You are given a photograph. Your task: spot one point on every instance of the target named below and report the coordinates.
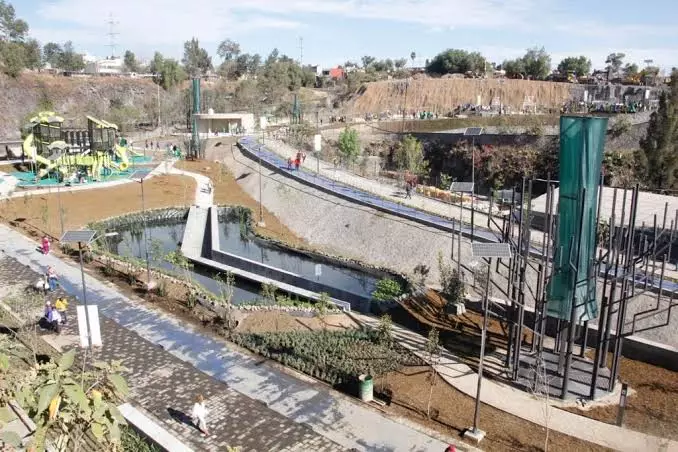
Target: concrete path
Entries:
(8, 184)
(204, 193)
(337, 418)
(522, 404)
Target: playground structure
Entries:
(72, 155)
(582, 271)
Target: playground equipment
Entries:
(94, 152)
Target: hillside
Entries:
(105, 97)
(444, 94)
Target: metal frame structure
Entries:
(631, 261)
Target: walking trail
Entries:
(337, 418)
(522, 404)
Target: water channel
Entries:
(165, 238)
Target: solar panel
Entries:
(473, 131)
(502, 250)
(139, 174)
(461, 187)
(84, 236)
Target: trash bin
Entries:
(366, 388)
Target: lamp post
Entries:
(86, 237)
(487, 251)
(262, 126)
(473, 132)
(461, 188)
(147, 232)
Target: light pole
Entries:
(487, 251)
(149, 282)
(86, 237)
(61, 210)
(262, 126)
(473, 132)
(461, 188)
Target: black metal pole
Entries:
(483, 339)
(148, 262)
(84, 295)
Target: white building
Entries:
(108, 66)
(214, 124)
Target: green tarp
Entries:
(582, 142)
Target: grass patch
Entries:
(336, 357)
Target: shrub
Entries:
(450, 281)
(387, 289)
(333, 356)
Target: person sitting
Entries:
(42, 284)
(54, 320)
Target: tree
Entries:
(196, 61)
(630, 70)
(614, 63)
(13, 57)
(409, 156)
(228, 50)
(514, 68)
(580, 65)
(130, 61)
(166, 72)
(537, 63)
(349, 144)
(456, 61)
(69, 60)
(433, 350)
(11, 28)
(658, 155)
(367, 61)
(51, 52)
(33, 54)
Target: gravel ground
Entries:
(345, 229)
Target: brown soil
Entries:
(227, 191)
(452, 413)
(443, 95)
(40, 214)
(653, 409)
(263, 322)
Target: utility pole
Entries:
(112, 34)
(301, 51)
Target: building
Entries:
(336, 73)
(215, 124)
(108, 66)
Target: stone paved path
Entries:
(166, 387)
(264, 408)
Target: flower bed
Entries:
(336, 357)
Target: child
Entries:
(45, 245)
(52, 278)
(61, 305)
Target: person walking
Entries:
(52, 278)
(45, 245)
(199, 414)
(408, 190)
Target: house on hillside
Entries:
(336, 73)
(108, 66)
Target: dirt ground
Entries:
(452, 413)
(41, 212)
(262, 321)
(227, 191)
(652, 409)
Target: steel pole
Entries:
(61, 210)
(148, 262)
(483, 338)
(84, 295)
(461, 213)
(473, 184)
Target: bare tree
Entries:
(433, 350)
(539, 387)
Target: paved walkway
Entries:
(204, 193)
(260, 407)
(522, 404)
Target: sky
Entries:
(335, 31)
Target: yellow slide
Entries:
(121, 152)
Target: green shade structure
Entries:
(195, 141)
(582, 141)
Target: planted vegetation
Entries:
(336, 357)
